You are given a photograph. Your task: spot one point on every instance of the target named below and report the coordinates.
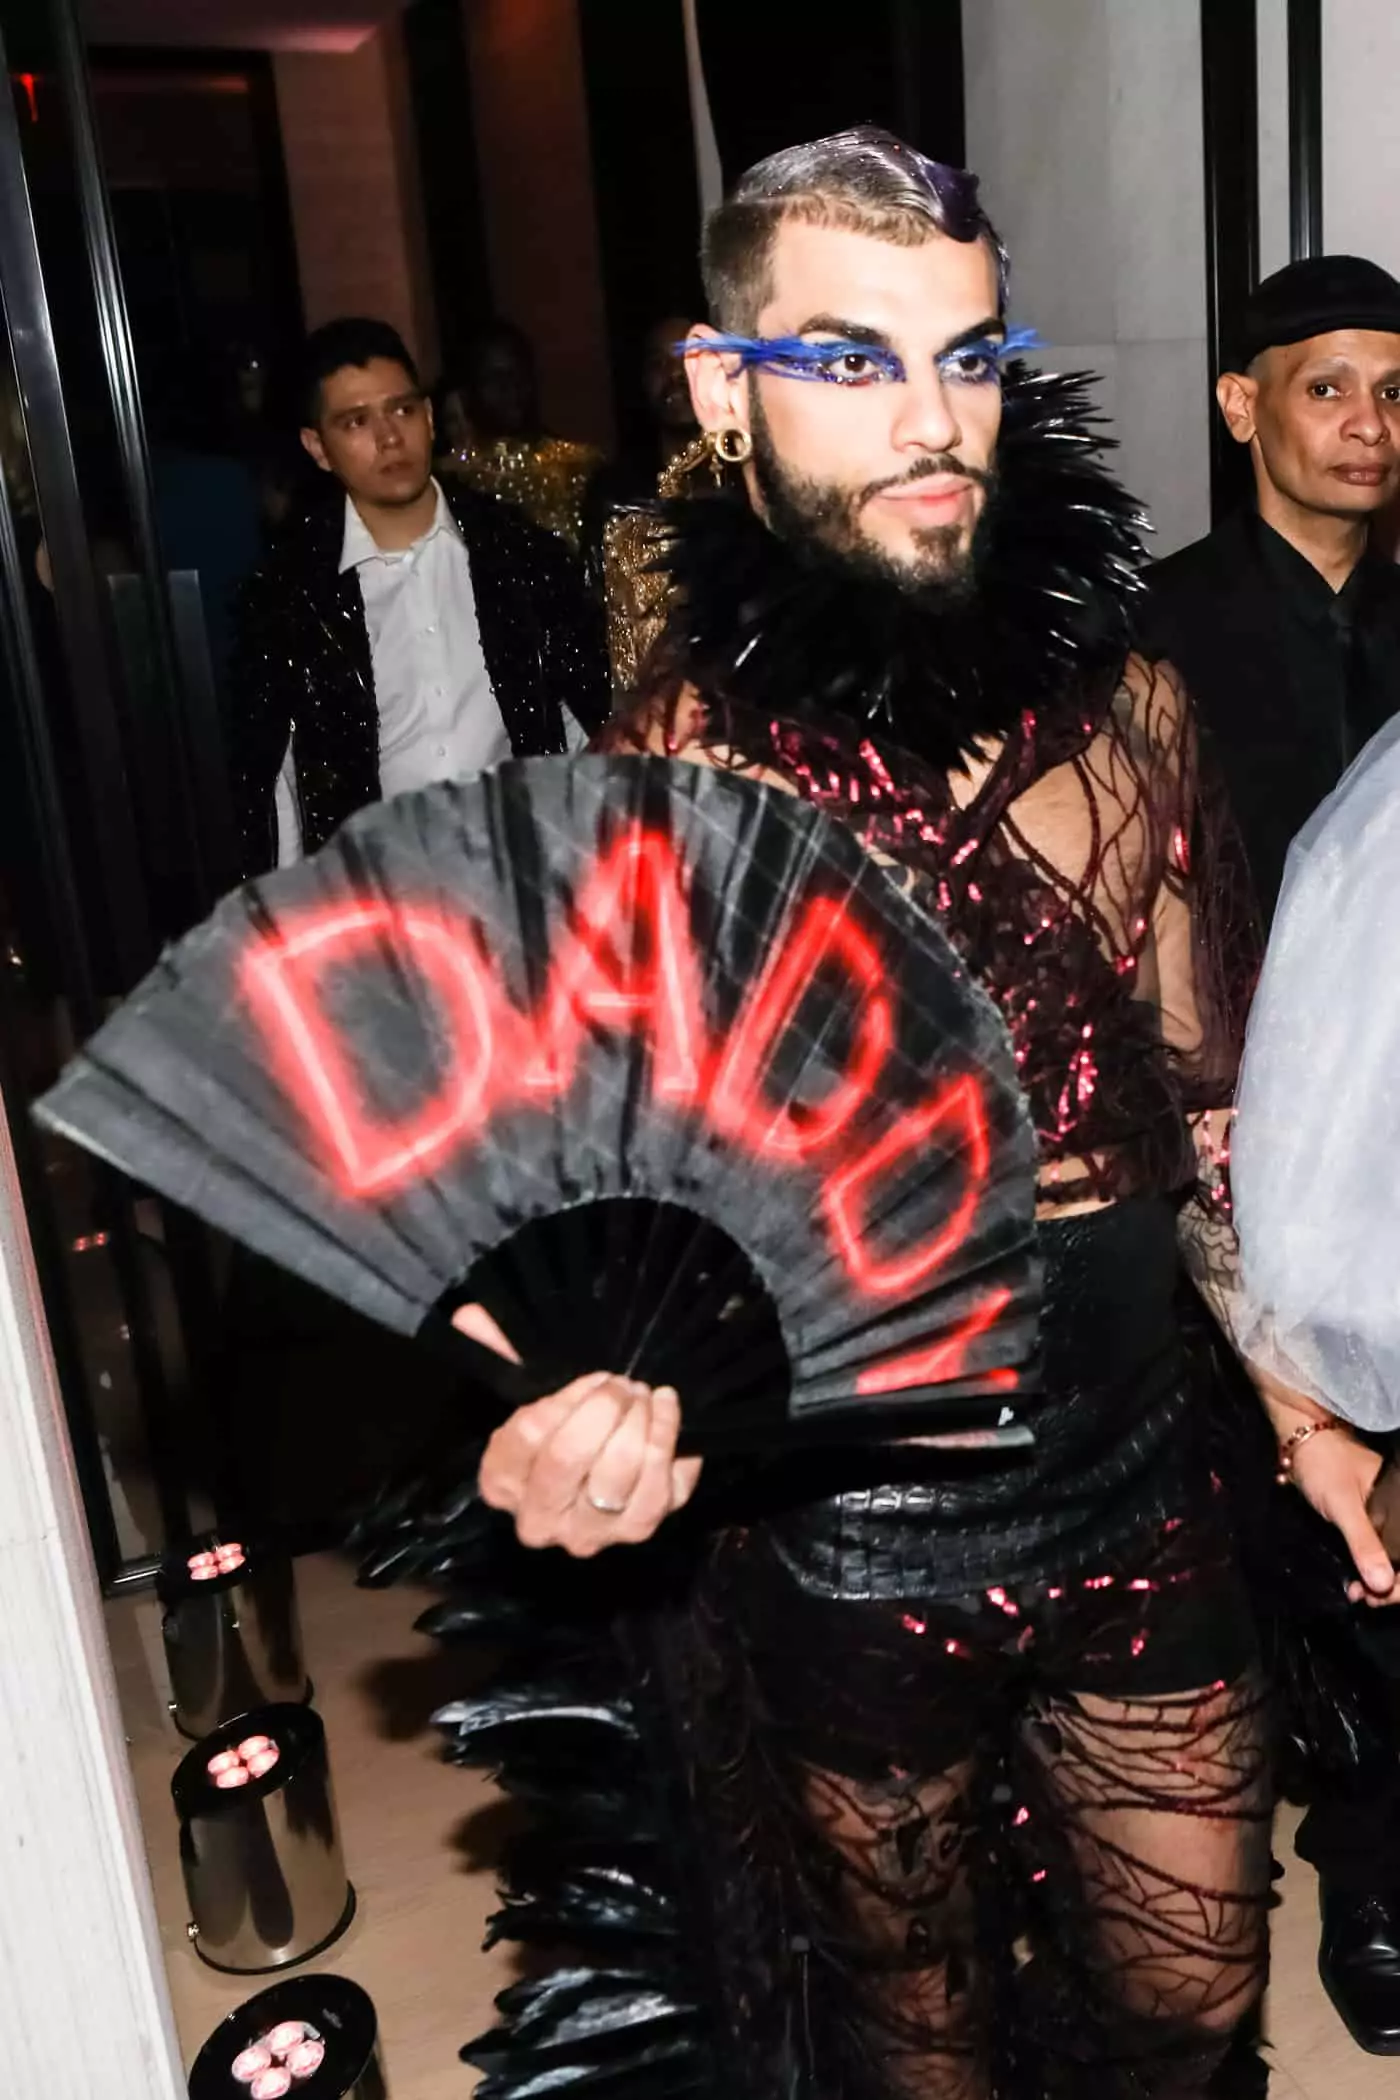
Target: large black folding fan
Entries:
(654, 1061)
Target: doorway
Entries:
(147, 282)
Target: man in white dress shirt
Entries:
(396, 636)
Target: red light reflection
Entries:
(279, 2060)
(251, 1759)
(218, 1560)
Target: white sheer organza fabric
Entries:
(1316, 1171)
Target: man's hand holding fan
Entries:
(650, 1066)
(592, 1466)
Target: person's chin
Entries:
(1360, 498)
(900, 557)
(404, 487)
(909, 550)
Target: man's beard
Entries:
(820, 517)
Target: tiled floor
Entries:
(417, 1837)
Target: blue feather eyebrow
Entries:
(795, 357)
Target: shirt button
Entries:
(431, 628)
(442, 750)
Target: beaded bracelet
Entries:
(1290, 1447)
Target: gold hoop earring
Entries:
(732, 445)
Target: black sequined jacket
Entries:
(301, 665)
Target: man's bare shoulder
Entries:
(1152, 704)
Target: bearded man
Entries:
(926, 1775)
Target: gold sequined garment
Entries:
(544, 477)
(634, 583)
(634, 594)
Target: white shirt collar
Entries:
(358, 546)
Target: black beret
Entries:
(1317, 296)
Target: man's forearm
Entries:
(1210, 1250)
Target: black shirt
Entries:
(1290, 679)
(1326, 650)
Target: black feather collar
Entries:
(783, 631)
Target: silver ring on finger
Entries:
(604, 1506)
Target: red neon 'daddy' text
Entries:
(825, 935)
(636, 883)
(628, 962)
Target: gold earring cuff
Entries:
(733, 445)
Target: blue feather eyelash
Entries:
(793, 357)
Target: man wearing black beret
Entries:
(1285, 627)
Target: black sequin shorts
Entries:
(1165, 1615)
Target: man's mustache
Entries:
(946, 463)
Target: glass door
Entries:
(116, 833)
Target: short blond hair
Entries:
(865, 180)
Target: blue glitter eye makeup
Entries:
(838, 362)
(841, 363)
(980, 363)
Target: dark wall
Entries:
(775, 76)
(645, 184)
(439, 85)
